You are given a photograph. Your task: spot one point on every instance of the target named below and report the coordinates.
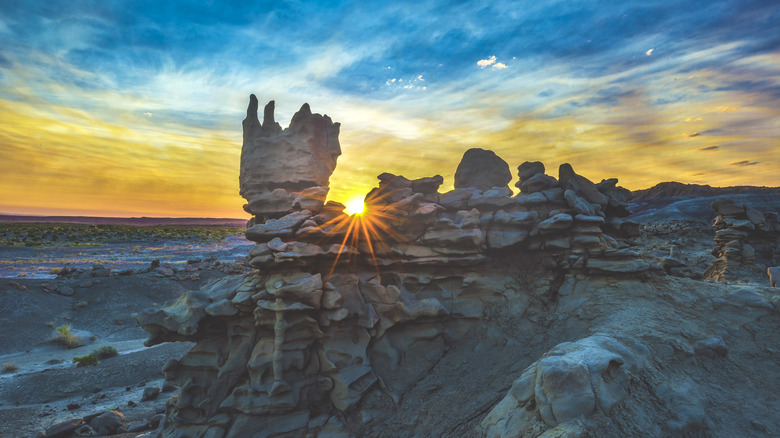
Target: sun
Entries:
(354, 206)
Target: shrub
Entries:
(82, 304)
(86, 360)
(10, 367)
(105, 352)
(66, 337)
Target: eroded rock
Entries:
(278, 166)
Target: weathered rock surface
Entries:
(745, 238)
(482, 169)
(281, 169)
(572, 381)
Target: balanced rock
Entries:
(529, 169)
(581, 186)
(482, 169)
(277, 165)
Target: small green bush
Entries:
(82, 304)
(105, 352)
(10, 367)
(86, 360)
(66, 337)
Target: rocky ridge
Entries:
(345, 322)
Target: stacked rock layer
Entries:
(324, 324)
(744, 238)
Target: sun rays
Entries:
(368, 228)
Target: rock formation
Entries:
(744, 237)
(482, 169)
(343, 321)
(285, 169)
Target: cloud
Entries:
(745, 163)
(649, 52)
(486, 62)
(710, 148)
(148, 114)
(499, 66)
(695, 134)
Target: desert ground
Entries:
(93, 281)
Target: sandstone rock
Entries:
(571, 381)
(560, 221)
(150, 393)
(429, 187)
(617, 266)
(581, 186)
(537, 183)
(312, 199)
(528, 169)
(492, 199)
(743, 237)
(282, 227)
(578, 204)
(727, 207)
(392, 188)
(277, 165)
(63, 428)
(107, 423)
(482, 169)
(531, 200)
(457, 199)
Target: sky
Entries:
(134, 108)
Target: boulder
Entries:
(107, 423)
(572, 381)
(63, 428)
(529, 169)
(482, 169)
(727, 207)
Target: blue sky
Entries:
(135, 107)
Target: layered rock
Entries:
(336, 305)
(286, 169)
(744, 238)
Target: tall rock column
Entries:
(284, 170)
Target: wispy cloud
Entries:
(745, 163)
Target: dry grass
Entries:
(66, 337)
